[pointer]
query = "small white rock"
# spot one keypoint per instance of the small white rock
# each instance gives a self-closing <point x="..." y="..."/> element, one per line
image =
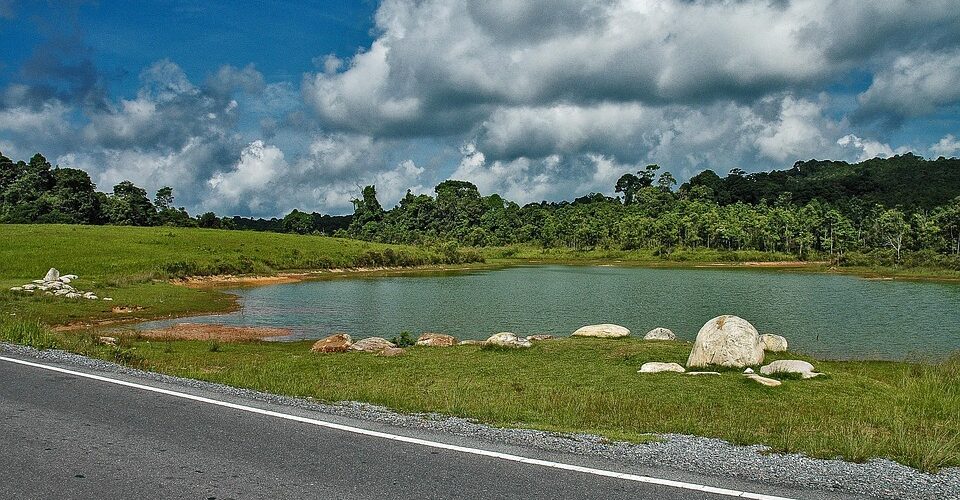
<point x="658" y="367"/>
<point x="748" y="371"/>
<point x="52" y="275"/>
<point x="107" y="298"/>
<point x="769" y="382"/>
<point x="16" y="289"/>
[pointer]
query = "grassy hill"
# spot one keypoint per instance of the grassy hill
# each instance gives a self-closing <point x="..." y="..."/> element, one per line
<point x="132" y="264"/>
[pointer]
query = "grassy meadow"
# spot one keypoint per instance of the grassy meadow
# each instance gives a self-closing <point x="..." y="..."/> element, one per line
<point x="133" y="265"/>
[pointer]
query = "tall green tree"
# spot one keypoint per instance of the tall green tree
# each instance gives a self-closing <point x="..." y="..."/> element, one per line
<point x="129" y="206"/>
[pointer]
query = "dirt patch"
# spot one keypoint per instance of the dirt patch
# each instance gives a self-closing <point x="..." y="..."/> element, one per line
<point x="784" y="263"/>
<point x="231" y="280"/>
<point x="220" y="333"/>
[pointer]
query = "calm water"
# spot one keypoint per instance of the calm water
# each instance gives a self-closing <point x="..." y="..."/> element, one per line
<point x="823" y="315"/>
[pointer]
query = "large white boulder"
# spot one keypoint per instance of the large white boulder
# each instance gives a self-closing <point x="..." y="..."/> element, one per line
<point x="52" y="275"/>
<point x="726" y="341"/>
<point x="660" y="334"/>
<point x="658" y="367"/>
<point x="773" y="343"/>
<point x="605" y="330"/>
<point x="507" y="339"/>
<point x="794" y="366"/>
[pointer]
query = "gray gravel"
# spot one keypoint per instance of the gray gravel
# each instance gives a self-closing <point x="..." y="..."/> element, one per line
<point x="876" y="478"/>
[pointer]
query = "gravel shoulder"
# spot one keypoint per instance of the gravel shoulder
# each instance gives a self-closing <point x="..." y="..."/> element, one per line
<point x="684" y="454"/>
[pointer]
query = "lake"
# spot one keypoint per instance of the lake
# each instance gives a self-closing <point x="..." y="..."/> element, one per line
<point x="824" y="315"/>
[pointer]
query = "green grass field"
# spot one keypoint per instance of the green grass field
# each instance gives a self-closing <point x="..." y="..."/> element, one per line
<point x="133" y="265"/>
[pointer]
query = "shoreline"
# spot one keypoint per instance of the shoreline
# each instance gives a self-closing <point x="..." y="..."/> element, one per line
<point x="228" y="281"/>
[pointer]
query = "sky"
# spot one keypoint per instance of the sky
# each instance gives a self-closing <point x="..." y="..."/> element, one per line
<point x="249" y="109"/>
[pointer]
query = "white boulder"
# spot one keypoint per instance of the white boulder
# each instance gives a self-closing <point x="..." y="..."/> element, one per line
<point x="660" y="334"/>
<point x="52" y="275"/>
<point x="794" y="366"/>
<point x="726" y="341"/>
<point x="507" y="339"/>
<point x="658" y="367"/>
<point x="605" y="330"/>
<point x="773" y="343"/>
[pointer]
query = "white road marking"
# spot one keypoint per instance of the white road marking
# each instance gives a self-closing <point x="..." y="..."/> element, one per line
<point x="412" y="440"/>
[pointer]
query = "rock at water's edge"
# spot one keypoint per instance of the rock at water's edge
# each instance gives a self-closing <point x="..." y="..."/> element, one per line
<point x="726" y="341"/>
<point x="436" y="340"/>
<point x="605" y="331"/>
<point x="539" y="337"/>
<point x="773" y="343"/>
<point x="507" y="339"/>
<point x="660" y="334"/>
<point x="371" y="344"/>
<point x="338" y="342"/>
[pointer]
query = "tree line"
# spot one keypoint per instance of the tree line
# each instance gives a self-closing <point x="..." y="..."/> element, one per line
<point x="901" y="210"/>
<point x="813" y="210"/>
<point x="37" y="192"/>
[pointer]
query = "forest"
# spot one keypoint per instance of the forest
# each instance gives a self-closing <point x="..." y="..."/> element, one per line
<point x="35" y="192"/>
<point x="903" y="210"/>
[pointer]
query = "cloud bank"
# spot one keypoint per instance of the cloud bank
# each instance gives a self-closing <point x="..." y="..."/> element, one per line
<point x="536" y="100"/>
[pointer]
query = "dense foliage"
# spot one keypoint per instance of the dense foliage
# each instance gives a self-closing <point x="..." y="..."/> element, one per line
<point x="899" y="210"/>
<point x="36" y="192"/>
<point x="812" y="210"/>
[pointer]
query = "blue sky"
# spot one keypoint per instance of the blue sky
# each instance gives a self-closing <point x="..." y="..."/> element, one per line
<point x="255" y="109"/>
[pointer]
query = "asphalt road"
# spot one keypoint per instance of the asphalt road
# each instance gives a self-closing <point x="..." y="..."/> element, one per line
<point x="66" y="436"/>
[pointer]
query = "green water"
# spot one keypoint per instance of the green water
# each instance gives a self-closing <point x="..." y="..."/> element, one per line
<point x="828" y="316"/>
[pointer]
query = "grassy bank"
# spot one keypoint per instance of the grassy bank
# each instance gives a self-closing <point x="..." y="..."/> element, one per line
<point x="907" y="412"/>
<point x="648" y="257"/>
<point x="132" y="265"/>
<point x="710" y="257"/>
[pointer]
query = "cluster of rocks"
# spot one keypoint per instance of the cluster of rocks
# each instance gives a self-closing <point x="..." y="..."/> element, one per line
<point x="342" y="342"/>
<point x="53" y="284"/>
<point x="732" y="342"/>
<point x="725" y="341"/>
